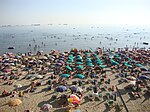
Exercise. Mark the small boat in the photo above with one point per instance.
(11, 47)
(146, 43)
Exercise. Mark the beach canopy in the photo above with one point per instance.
(79, 63)
(61, 88)
(14, 102)
(143, 77)
(73, 88)
(138, 65)
(64, 75)
(131, 78)
(46, 107)
(130, 66)
(18, 86)
(143, 69)
(101, 66)
(59, 64)
(80, 76)
(74, 99)
(147, 72)
(88, 60)
(69, 68)
(79, 67)
(114, 62)
(92, 75)
(90, 65)
(43, 58)
(79, 89)
(133, 83)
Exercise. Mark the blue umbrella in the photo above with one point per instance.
(143, 77)
(58, 64)
(143, 69)
(147, 72)
(93, 75)
(61, 88)
(73, 88)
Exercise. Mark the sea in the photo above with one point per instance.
(63, 37)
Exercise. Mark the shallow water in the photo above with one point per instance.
(64, 37)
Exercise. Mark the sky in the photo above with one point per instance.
(22, 12)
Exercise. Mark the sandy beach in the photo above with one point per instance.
(38, 79)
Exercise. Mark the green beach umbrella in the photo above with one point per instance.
(101, 66)
(79, 63)
(114, 63)
(80, 76)
(124, 62)
(118, 58)
(88, 61)
(90, 65)
(68, 68)
(139, 65)
(65, 75)
(79, 67)
(128, 65)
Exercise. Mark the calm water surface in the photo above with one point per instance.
(64, 37)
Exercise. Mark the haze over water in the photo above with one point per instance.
(63, 37)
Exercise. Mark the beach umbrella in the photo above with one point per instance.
(6, 70)
(14, 102)
(88, 61)
(143, 77)
(80, 76)
(79, 63)
(43, 58)
(69, 68)
(73, 88)
(101, 66)
(130, 66)
(58, 64)
(114, 62)
(143, 69)
(138, 65)
(65, 75)
(90, 65)
(131, 78)
(70, 57)
(79, 67)
(119, 58)
(147, 72)
(61, 88)
(18, 86)
(74, 99)
(46, 108)
(132, 83)
(79, 89)
(92, 75)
